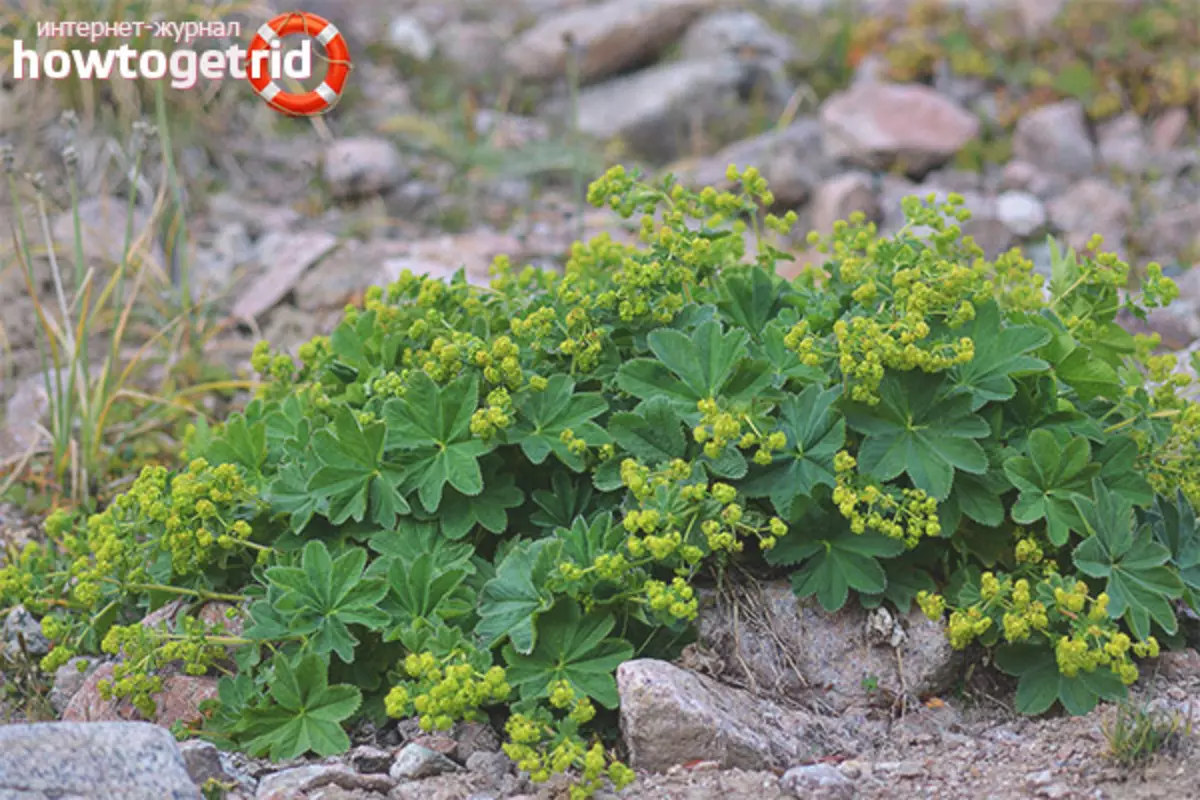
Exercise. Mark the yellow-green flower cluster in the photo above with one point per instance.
(442, 691)
(487, 422)
(1053, 610)
(676, 600)
(908, 514)
(542, 746)
(147, 650)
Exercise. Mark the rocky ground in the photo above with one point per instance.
(288, 222)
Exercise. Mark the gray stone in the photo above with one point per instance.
(1055, 138)
(130, 760)
(663, 112)
(1022, 212)
(474, 50)
(362, 166)
(740, 33)
(610, 37)
(297, 782)
(203, 762)
(493, 765)
(415, 762)
(1122, 144)
(366, 758)
(68, 680)
(408, 37)
(23, 633)
(818, 782)
(670, 716)
(1089, 207)
(884, 125)
(792, 646)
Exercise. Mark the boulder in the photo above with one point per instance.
(1055, 138)
(130, 760)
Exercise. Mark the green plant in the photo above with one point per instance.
(1136, 732)
(467, 500)
(98, 401)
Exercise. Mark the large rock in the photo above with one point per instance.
(129, 760)
(671, 716)
(882, 125)
(109, 233)
(1055, 138)
(1122, 145)
(1089, 207)
(784, 646)
(662, 112)
(610, 37)
(790, 159)
(304, 783)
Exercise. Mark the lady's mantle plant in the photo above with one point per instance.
(473, 501)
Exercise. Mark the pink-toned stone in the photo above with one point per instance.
(878, 125)
(179, 700)
(1168, 130)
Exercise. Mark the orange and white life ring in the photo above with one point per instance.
(319, 100)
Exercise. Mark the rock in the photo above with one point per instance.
(672, 716)
(361, 166)
(203, 762)
(103, 224)
(23, 634)
(415, 762)
(130, 760)
(365, 758)
(1036, 16)
(1168, 130)
(475, 737)
(1023, 176)
(408, 37)
(796, 646)
(737, 33)
(611, 36)
(1089, 207)
(1122, 144)
(285, 256)
(1173, 232)
(884, 125)
(448, 787)
(1055, 138)
(227, 208)
(790, 160)
(662, 113)
(68, 680)
(442, 256)
(299, 783)
(179, 700)
(474, 50)
(839, 197)
(494, 765)
(818, 782)
(1022, 212)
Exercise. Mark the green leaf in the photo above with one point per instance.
(1050, 479)
(835, 561)
(1088, 375)
(420, 588)
(352, 477)
(1119, 472)
(750, 298)
(288, 494)
(307, 713)
(543, 416)
(1040, 685)
(241, 444)
(815, 433)
(1000, 353)
(510, 603)
(918, 430)
(324, 596)
(560, 507)
(460, 513)
(690, 368)
(572, 647)
(1140, 584)
(653, 435)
